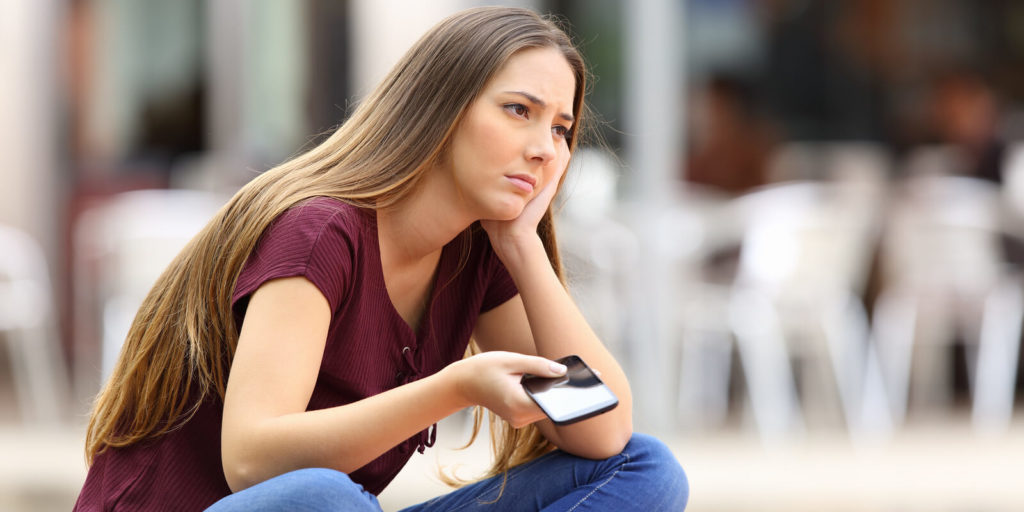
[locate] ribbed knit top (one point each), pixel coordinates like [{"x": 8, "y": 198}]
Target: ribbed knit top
[{"x": 370, "y": 349}]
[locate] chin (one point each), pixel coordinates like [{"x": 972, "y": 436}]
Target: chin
[
  {"x": 512, "y": 213},
  {"x": 506, "y": 210},
  {"x": 502, "y": 216}
]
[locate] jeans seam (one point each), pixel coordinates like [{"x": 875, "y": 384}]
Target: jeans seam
[{"x": 591, "y": 493}]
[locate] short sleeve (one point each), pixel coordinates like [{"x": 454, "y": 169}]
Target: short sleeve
[
  {"x": 315, "y": 240},
  {"x": 500, "y": 286}
]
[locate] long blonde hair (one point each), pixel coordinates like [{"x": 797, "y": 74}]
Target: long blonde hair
[{"x": 179, "y": 348}]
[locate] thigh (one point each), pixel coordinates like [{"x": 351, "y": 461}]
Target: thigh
[
  {"x": 645, "y": 476},
  {"x": 529, "y": 487},
  {"x": 305, "y": 490}
]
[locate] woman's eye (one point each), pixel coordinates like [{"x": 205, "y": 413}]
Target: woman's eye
[
  {"x": 518, "y": 109},
  {"x": 560, "y": 131}
]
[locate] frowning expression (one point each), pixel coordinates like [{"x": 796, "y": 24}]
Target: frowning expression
[{"x": 512, "y": 139}]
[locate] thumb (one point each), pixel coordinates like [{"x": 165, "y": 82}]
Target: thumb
[{"x": 542, "y": 367}]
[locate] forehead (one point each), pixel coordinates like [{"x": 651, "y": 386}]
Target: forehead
[{"x": 543, "y": 72}]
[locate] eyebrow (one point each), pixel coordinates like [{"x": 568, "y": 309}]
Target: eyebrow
[{"x": 542, "y": 104}]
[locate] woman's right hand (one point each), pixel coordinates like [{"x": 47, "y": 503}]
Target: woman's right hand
[{"x": 492, "y": 380}]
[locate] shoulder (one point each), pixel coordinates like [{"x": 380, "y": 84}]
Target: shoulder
[
  {"x": 320, "y": 238},
  {"x": 315, "y": 213},
  {"x": 315, "y": 222}
]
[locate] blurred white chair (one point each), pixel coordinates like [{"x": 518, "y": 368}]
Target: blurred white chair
[
  {"x": 28, "y": 325},
  {"x": 936, "y": 160},
  {"x": 806, "y": 253},
  {"x": 121, "y": 248},
  {"x": 844, "y": 162},
  {"x": 704, "y": 240},
  {"x": 1013, "y": 187},
  {"x": 944, "y": 275}
]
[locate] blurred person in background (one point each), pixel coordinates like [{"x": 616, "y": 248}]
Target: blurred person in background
[
  {"x": 964, "y": 113},
  {"x": 731, "y": 142},
  {"x": 308, "y": 340}
]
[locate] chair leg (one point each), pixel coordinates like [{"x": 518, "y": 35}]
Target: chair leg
[
  {"x": 845, "y": 326},
  {"x": 893, "y": 333},
  {"x": 998, "y": 350},
  {"x": 766, "y": 365},
  {"x": 705, "y": 361},
  {"x": 875, "y": 413},
  {"x": 857, "y": 370}
]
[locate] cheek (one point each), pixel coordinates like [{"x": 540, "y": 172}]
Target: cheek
[
  {"x": 488, "y": 137},
  {"x": 475, "y": 142},
  {"x": 463, "y": 144},
  {"x": 478, "y": 125}
]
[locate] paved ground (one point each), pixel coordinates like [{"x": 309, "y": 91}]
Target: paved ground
[{"x": 931, "y": 466}]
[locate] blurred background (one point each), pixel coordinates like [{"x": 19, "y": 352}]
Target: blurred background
[{"x": 798, "y": 223}]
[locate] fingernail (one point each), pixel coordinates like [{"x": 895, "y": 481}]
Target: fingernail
[{"x": 558, "y": 368}]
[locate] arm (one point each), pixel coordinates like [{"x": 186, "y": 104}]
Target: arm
[
  {"x": 266, "y": 430},
  {"x": 552, "y": 327},
  {"x": 544, "y": 320}
]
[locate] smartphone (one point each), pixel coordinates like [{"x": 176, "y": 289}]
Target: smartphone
[{"x": 575, "y": 396}]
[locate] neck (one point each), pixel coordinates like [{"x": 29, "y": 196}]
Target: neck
[{"x": 417, "y": 227}]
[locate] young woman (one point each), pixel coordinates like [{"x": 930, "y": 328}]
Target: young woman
[{"x": 310, "y": 337}]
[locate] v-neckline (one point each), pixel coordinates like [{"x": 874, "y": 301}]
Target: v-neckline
[{"x": 441, "y": 269}]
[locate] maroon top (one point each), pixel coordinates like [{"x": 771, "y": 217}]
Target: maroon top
[{"x": 369, "y": 349}]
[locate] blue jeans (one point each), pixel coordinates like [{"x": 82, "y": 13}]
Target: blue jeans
[{"x": 645, "y": 476}]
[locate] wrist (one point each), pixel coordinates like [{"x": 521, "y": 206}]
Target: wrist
[
  {"x": 521, "y": 253},
  {"x": 457, "y": 385}
]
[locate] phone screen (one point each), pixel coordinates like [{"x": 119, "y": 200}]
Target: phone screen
[{"x": 576, "y": 396}]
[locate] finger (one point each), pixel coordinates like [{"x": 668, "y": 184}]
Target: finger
[
  {"x": 551, "y": 186},
  {"x": 542, "y": 367},
  {"x": 557, "y": 178}
]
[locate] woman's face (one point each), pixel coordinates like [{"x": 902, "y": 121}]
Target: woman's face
[{"x": 512, "y": 138}]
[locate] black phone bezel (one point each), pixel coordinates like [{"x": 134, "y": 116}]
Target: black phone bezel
[{"x": 582, "y": 414}]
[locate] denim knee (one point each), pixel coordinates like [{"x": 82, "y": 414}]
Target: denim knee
[
  {"x": 312, "y": 489},
  {"x": 303, "y": 482},
  {"x": 661, "y": 473}
]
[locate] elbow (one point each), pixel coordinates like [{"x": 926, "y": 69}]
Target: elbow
[
  {"x": 245, "y": 458},
  {"x": 619, "y": 435},
  {"x": 239, "y": 476},
  {"x": 618, "y": 444},
  {"x": 241, "y": 471},
  {"x": 612, "y": 445},
  {"x": 602, "y": 450}
]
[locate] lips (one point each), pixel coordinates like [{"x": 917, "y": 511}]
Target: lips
[{"x": 524, "y": 182}]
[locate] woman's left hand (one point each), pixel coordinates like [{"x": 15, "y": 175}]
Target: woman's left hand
[{"x": 507, "y": 235}]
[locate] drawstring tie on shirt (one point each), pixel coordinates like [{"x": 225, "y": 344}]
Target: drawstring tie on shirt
[{"x": 425, "y": 438}]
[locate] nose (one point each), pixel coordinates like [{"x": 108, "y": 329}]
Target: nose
[{"x": 541, "y": 146}]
